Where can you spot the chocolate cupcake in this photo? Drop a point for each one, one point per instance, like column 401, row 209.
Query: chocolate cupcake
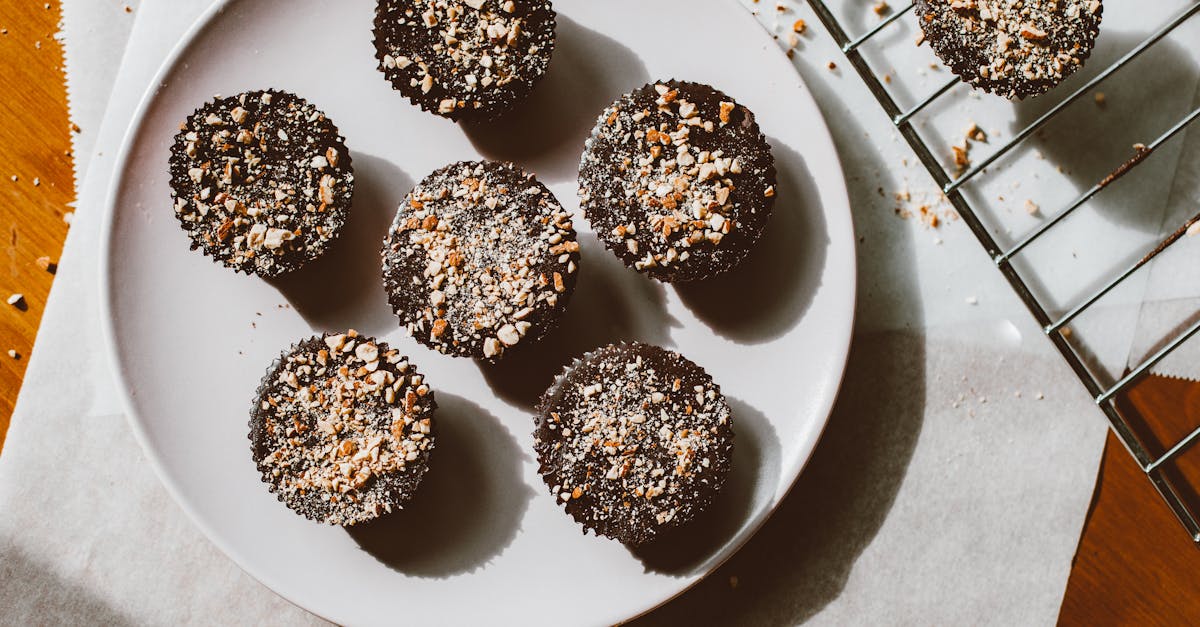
column 633, row 440
column 261, row 181
column 480, row 258
column 1012, row 48
column 341, row 428
column 678, row 181
column 464, row 59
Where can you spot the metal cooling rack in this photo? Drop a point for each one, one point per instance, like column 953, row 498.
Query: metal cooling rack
column 1106, row 396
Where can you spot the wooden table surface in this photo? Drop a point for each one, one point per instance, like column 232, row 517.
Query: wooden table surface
column 1135, row 564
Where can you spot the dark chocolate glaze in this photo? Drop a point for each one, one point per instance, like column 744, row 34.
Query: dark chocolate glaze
column 1033, row 65
column 282, row 419
column 279, row 146
column 401, row 32
column 609, row 170
column 598, row 486
column 525, row 227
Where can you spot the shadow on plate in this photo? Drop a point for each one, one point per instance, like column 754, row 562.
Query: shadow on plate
column 690, row 549
column 343, row 289
column 611, row 304
column 546, row 133
column 802, row 557
column 769, row 292
column 468, row 508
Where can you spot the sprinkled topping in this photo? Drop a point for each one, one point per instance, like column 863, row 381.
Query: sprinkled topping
column 464, row 58
column 481, row 258
column 341, row 428
column 261, row 181
column 677, row 180
column 1013, row 48
column 634, row 439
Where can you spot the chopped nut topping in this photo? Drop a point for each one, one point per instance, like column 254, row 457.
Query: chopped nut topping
column 328, row 435
column 634, row 439
column 1015, row 49
column 687, row 165
column 467, row 56
column 479, row 252
column 247, row 176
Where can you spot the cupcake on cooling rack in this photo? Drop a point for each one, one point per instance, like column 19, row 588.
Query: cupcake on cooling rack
column 633, row 440
column 480, row 258
column 341, row 428
column 678, row 181
column 464, row 59
column 261, row 181
column 1011, row 48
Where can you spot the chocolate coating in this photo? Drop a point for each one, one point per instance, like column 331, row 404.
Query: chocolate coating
column 1012, row 48
column 480, row 258
column 464, row 59
column 633, row 440
column 261, row 181
column 341, row 428
column 678, row 181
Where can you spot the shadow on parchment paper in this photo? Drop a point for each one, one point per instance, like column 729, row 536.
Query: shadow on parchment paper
column 769, row 292
column 343, row 289
column 684, row 551
column 32, row 595
column 546, row 133
column 610, row 304
column 801, row 559
column 468, row 507
column 1089, row 141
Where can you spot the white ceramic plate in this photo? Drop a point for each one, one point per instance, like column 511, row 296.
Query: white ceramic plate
column 483, row 541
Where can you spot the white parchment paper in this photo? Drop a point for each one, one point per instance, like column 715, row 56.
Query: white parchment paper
column 950, row 486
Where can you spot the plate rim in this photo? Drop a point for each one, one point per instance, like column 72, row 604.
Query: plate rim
column 106, row 285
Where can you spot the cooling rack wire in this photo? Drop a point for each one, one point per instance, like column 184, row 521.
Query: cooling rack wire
column 1173, row 488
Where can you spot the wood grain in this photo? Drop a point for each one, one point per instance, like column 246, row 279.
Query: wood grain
column 1134, row 565
column 35, row 145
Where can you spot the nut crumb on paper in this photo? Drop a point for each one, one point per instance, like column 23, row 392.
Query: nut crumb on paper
column 974, row 133
column 962, row 153
column 931, row 208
